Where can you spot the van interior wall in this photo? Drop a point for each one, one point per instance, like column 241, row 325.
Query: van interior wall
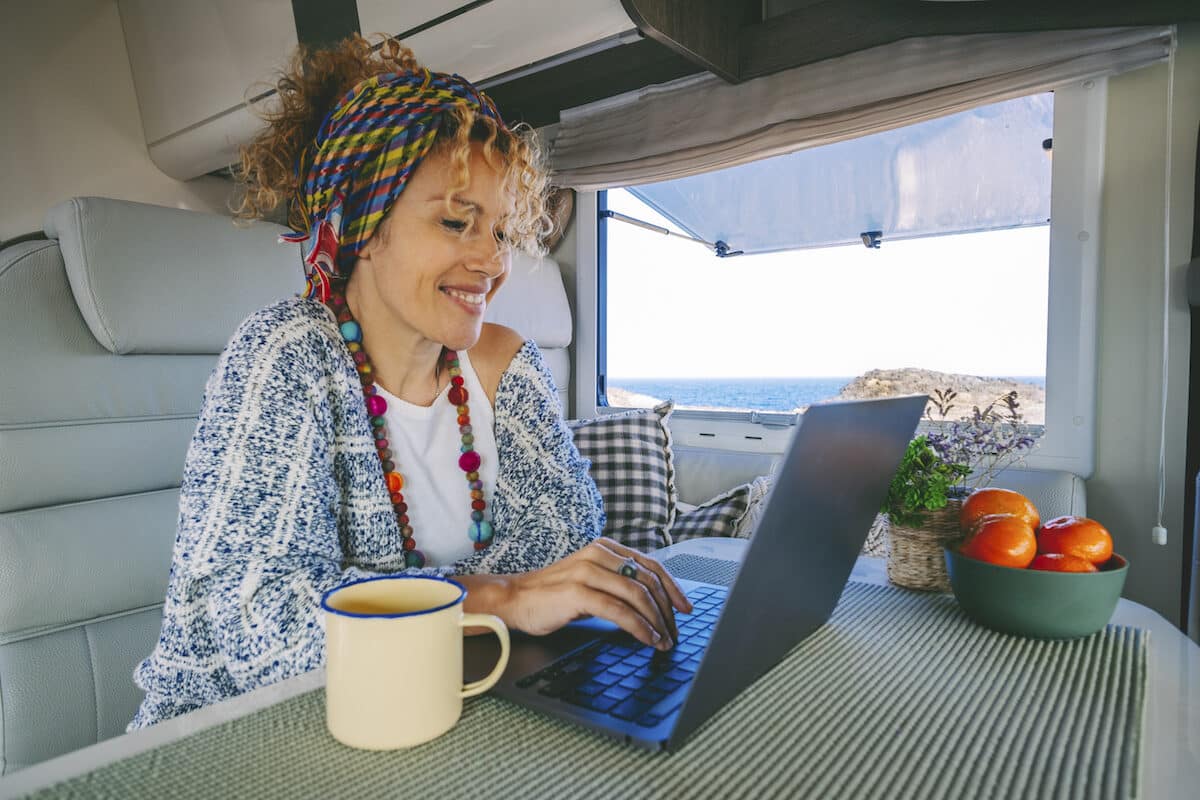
column 71, row 121
column 1123, row 491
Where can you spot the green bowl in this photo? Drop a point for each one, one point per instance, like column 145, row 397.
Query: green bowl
column 1036, row 603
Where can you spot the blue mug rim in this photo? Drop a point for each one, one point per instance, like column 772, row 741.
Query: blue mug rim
column 462, row 594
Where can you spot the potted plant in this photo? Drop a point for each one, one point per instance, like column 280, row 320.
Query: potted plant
column 939, row 469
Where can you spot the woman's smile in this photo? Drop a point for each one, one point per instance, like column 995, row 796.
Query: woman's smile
column 472, row 299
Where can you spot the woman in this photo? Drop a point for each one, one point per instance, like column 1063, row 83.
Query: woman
column 377, row 425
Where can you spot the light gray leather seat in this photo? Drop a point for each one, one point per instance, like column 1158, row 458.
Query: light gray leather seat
column 110, row 331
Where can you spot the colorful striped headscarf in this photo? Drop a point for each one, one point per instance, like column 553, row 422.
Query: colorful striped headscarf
column 363, row 155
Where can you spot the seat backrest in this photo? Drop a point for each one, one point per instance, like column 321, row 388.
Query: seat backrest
column 534, row 302
column 111, row 328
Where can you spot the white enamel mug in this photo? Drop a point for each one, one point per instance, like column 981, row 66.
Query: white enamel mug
column 394, row 663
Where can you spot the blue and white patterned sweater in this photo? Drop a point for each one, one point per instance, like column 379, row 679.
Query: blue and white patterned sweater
column 283, row 499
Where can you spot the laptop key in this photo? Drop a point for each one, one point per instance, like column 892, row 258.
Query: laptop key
column 599, row 702
column 630, row 709
column 624, row 670
column 589, row 689
column 648, row 720
column 632, row 683
column 665, row 683
column 607, row 659
column 617, row 692
column 649, row 694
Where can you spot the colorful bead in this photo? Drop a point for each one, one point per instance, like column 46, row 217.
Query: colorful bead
column 354, row 347
column 463, row 419
column 414, row 558
column 476, row 515
column 397, row 499
column 469, row 462
column 478, row 505
column 464, row 410
column 376, row 406
column 450, row 355
column 480, row 532
column 410, row 544
column 378, row 422
column 481, row 546
column 406, row 531
column 457, row 380
column 476, row 485
column 400, row 506
column 402, row 521
column 384, row 453
column 468, row 439
column 458, row 395
column 465, row 429
column 472, row 476
column 389, row 465
column 384, row 444
column 351, row 332
column 360, row 357
column 476, row 494
column 395, row 481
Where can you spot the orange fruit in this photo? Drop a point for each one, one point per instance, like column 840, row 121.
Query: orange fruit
column 1076, row 536
column 1001, row 539
column 989, row 501
column 1060, row 562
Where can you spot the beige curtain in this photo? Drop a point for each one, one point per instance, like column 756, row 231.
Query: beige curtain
column 700, row 123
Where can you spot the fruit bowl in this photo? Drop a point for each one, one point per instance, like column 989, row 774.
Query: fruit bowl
column 1036, row 603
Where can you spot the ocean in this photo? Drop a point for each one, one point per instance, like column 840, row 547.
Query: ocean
column 762, row 394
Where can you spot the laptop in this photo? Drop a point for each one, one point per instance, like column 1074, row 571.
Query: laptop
column 834, row 478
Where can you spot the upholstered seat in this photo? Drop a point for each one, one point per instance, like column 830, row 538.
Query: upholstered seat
column 111, row 328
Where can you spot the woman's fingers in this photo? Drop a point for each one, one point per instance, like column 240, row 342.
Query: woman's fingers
column 634, row 594
column 609, row 559
column 676, row 595
column 605, row 605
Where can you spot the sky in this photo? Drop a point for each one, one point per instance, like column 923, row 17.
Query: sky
column 969, row 303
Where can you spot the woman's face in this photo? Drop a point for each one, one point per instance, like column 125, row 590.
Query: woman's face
column 428, row 271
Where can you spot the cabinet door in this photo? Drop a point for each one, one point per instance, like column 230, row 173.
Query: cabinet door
column 193, row 60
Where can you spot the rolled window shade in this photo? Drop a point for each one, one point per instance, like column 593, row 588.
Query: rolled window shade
column 700, row 123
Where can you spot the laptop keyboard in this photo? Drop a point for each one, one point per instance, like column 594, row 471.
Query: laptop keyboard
column 625, row 679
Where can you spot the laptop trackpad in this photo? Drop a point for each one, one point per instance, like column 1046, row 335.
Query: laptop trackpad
column 528, row 653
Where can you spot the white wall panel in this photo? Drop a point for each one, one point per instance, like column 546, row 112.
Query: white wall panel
column 71, row 124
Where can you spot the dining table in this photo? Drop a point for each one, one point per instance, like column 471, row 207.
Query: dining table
column 897, row 695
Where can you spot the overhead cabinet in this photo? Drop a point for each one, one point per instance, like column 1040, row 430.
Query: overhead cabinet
column 198, row 64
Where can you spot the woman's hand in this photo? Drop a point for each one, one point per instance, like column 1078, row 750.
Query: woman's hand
column 587, row 583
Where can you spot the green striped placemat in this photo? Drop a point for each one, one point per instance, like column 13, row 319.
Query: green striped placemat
column 899, row 695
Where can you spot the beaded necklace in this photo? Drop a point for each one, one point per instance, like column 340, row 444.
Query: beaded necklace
column 480, row 530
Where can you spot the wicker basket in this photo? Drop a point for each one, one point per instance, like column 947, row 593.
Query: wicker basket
column 915, row 558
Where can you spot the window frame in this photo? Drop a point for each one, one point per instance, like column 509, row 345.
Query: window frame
column 1080, row 112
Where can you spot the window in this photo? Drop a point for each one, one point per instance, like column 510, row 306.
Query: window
column 965, row 294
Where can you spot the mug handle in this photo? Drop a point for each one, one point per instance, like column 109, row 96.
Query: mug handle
column 497, row 626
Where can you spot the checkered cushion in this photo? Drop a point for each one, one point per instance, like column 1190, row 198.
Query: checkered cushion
column 733, row 513
column 633, row 469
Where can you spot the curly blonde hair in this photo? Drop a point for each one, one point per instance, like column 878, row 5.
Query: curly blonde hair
column 275, row 163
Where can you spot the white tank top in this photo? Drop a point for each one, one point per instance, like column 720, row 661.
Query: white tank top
column 425, row 445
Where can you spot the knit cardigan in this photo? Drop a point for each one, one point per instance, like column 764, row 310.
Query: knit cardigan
column 283, row 498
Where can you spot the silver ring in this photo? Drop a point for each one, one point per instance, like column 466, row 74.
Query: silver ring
column 629, row 569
